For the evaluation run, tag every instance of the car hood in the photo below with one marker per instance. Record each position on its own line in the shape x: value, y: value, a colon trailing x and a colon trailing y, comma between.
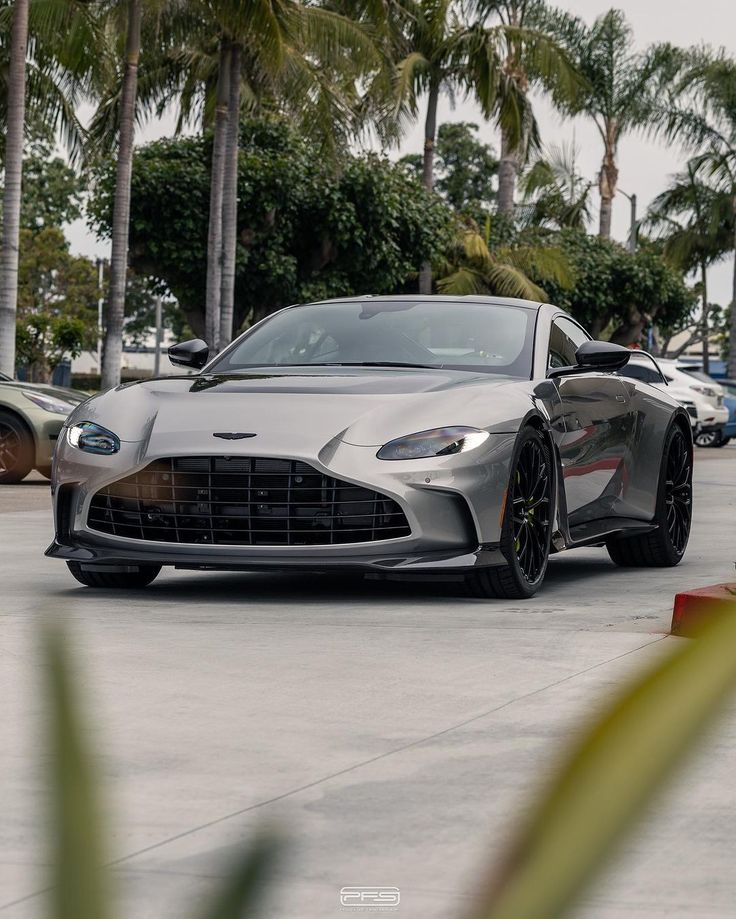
x: 301, y: 411
x: 57, y: 392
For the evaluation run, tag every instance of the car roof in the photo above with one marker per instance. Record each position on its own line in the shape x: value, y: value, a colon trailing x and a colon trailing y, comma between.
x: 420, y: 298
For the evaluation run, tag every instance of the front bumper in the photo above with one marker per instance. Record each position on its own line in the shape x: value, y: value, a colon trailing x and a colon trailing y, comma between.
x: 712, y: 418
x: 100, y: 552
x: 453, y: 505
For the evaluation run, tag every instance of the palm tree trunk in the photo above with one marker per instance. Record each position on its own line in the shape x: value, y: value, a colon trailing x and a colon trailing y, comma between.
x: 705, y: 331
x: 508, y: 168
x: 732, y: 324
x: 230, y: 201
x: 607, y: 182
x: 121, y: 207
x: 430, y: 130
x: 16, y: 96
x: 217, y: 181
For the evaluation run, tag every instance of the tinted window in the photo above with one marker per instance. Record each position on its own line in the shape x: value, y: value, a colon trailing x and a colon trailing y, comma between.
x: 437, y: 333
x: 564, y: 340
x: 640, y: 372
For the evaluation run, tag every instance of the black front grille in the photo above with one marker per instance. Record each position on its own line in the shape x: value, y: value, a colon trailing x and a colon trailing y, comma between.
x: 243, y: 501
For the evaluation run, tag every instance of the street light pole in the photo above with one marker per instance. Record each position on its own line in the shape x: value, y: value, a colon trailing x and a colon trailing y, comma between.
x: 632, y: 221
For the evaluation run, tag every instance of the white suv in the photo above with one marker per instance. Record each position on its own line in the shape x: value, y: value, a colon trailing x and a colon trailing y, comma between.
x: 703, y: 401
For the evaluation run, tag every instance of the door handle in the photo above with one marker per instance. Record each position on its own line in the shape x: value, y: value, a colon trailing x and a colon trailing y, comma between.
x: 620, y: 398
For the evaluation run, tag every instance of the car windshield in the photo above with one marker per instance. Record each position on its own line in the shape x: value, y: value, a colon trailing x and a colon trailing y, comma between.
x: 402, y: 333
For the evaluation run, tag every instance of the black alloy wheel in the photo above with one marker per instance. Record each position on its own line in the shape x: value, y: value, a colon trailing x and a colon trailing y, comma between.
x: 16, y: 449
x: 527, y: 524
x: 530, y: 504
x: 678, y: 491
x: 665, y: 546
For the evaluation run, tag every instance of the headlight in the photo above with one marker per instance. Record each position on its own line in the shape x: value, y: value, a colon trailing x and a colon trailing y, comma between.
x: 49, y: 403
x: 438, y: 442
x: 92, y: 438
x: 706, y: 391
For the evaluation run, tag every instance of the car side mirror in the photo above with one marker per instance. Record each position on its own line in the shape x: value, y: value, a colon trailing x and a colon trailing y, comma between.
x: 192, y: 353
x: 603, y: 356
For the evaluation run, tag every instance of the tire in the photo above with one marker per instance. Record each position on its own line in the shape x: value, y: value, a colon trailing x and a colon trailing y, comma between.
x: 45, y: 471
x: 723, y: 441
x: 527, y: 525
x: 665, y: 546
x: 17, y: 449
x: 709, y: 439
x: 120, y: 580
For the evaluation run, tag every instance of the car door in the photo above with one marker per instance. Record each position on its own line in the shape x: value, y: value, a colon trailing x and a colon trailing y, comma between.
x: 594, y: 432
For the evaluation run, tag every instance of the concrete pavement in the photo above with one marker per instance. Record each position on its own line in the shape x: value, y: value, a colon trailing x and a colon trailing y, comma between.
x: 393, y: 732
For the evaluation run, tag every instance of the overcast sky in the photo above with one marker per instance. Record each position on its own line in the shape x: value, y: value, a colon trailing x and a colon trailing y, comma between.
x: 644, y: 166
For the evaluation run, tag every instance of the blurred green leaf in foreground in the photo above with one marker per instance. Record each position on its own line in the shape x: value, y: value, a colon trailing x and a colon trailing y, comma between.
x: 80, y: 882
x: 598, y: 794
x: 608, y: 779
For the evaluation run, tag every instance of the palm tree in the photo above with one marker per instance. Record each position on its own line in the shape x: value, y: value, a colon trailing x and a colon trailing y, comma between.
x: 554, y: 194
x: 121, y: 206
x: 695, y: 221
x: 439, y: 53
x: 213, y: 286
x: 473, y: 267
x: 47, y: 61
x: 708, y: 124
x: 622, y: 90
x: 280, y: 56
x: 230, y: 200
x: 12, y: 197
x: 532, y: 58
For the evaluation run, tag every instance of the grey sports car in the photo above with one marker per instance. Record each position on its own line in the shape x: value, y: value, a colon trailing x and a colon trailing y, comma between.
x: 468, y: 436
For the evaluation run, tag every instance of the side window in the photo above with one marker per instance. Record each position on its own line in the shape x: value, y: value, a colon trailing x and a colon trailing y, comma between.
x: 640, y: 372
x: 564, y: 340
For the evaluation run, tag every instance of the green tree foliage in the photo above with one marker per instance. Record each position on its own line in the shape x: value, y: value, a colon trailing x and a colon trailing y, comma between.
x: 623, y: 91
x: 52, y: 191
x: 616, y: 293
x: 57, y: 302
x: 695, y: 222
x: 706, y: 121
x: 474, y: 265
x: 465, y: 168
x: 57, y: 291
x: 555, y: 195
x: 533, y: 59
x: 304, y: 231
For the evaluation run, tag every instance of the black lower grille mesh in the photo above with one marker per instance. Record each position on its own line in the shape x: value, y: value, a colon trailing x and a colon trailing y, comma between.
x: 243, y: 501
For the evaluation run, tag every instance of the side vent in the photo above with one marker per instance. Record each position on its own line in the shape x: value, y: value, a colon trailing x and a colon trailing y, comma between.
x: 64, y: 513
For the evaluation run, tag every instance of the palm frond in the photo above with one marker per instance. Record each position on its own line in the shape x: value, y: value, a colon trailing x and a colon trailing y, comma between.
x: 462, y: 282
x: 506, y: 280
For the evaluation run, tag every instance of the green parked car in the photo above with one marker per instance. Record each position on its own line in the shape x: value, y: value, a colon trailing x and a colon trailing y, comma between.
x: 31, y: 417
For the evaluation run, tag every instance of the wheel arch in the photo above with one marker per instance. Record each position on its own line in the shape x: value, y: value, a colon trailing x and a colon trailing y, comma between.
x: 559, y: 517
x: 682, y: 420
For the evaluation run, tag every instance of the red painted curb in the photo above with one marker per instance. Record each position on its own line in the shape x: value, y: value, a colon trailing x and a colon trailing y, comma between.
x: 694, y: 608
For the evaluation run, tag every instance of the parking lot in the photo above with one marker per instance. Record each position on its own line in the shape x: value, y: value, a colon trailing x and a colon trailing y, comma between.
x: 392, y: 732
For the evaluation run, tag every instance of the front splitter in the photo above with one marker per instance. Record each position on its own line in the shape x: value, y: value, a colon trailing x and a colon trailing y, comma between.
x: 90, y: 552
